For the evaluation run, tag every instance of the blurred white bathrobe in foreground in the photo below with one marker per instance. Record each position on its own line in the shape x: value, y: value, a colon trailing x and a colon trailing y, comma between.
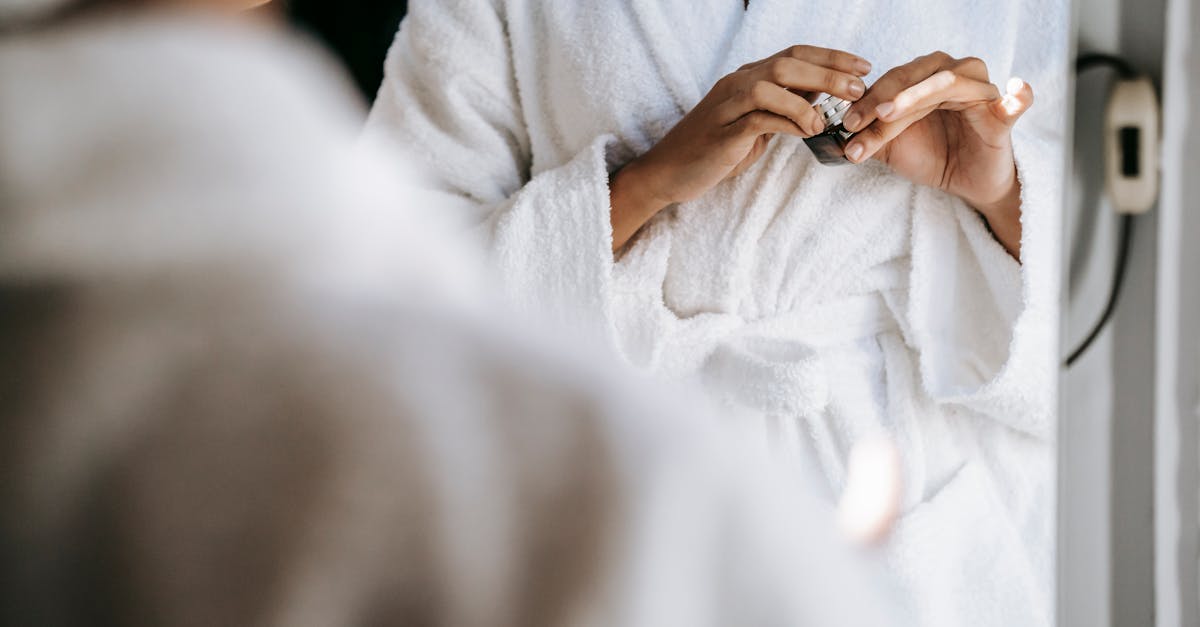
x: 826, y: 304
x: 241, y: 388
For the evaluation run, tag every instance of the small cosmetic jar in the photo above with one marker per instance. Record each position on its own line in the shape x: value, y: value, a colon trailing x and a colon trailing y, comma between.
x: 830, y: 145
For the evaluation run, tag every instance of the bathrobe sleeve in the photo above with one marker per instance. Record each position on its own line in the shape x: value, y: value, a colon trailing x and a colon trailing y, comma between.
x: 451, y: 94
x: 984, y: 325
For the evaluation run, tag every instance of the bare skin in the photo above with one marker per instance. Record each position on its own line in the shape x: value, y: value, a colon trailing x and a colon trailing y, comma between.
x: 936, y: 121
x: 262, y: 11
x: 729, y: 130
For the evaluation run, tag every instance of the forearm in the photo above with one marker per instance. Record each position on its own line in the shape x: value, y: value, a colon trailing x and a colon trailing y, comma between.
x: 633, y: 202
x: 1003, y: 217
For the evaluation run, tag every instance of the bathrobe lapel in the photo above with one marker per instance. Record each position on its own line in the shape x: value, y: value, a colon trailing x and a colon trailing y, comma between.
x: 696, y: 42
x: 693, y: 41
x: 772, y: 25
x: 765, y: 25
x: 667, y: 50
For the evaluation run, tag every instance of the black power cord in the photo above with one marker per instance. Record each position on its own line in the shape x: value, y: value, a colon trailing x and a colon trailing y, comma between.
x: 1125, y: 234
x: 1091, y: 60
x: 1114, y: 292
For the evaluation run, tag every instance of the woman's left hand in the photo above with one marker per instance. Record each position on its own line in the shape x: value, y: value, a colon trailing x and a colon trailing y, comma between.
x: 938, y: 121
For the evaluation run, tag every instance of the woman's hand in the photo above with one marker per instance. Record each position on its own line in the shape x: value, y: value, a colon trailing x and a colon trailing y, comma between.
x: 730, y: 128
x: 938, y: 121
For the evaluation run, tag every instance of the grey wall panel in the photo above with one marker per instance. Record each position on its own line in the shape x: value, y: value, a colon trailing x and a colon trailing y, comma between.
x: 1177, y: 451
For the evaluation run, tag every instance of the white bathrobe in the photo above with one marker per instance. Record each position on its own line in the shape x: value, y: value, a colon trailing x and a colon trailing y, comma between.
x: 825, y: 304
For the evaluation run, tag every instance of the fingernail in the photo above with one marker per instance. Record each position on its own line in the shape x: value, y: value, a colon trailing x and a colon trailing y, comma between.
x: 852, y: 120
x: 862, y: 66
x: 884, y: 109
x: 854, y: 151
x: 856, y: 89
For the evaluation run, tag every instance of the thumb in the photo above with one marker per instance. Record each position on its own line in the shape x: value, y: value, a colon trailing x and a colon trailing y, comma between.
x: 1018, y: 97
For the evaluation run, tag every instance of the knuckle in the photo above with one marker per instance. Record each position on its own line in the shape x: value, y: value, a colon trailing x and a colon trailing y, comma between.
x: 972, y: 63
x: 895, y: 84
x: 831, y: 80
x: 896, y: 77
x: 799, y: 51
x: 811, y: 119
x: 778, y: 70
x: 945, y: 79
x: 755, y: 121
x: 759, y: 93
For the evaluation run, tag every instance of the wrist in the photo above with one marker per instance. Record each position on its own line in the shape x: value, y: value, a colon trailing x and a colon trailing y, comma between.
x: 633, y: 201
x: 1003, y: 206
x: 633, y: 187
x: 1003, y: 217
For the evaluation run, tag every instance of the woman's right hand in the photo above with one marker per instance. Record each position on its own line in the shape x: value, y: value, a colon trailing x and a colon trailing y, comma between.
x: 730, y: 128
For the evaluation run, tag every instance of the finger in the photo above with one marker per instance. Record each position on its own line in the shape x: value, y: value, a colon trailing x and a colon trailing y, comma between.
x: 767, y: 96
x: 826, y: 57
x: 758, y: 123
x: 894, y: 81
x: 810, y: 77
x: 971, y: 67
x: 1016, y: 101
x: 944, y: 87
x: 839, y: 60
x: 869, y: 141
